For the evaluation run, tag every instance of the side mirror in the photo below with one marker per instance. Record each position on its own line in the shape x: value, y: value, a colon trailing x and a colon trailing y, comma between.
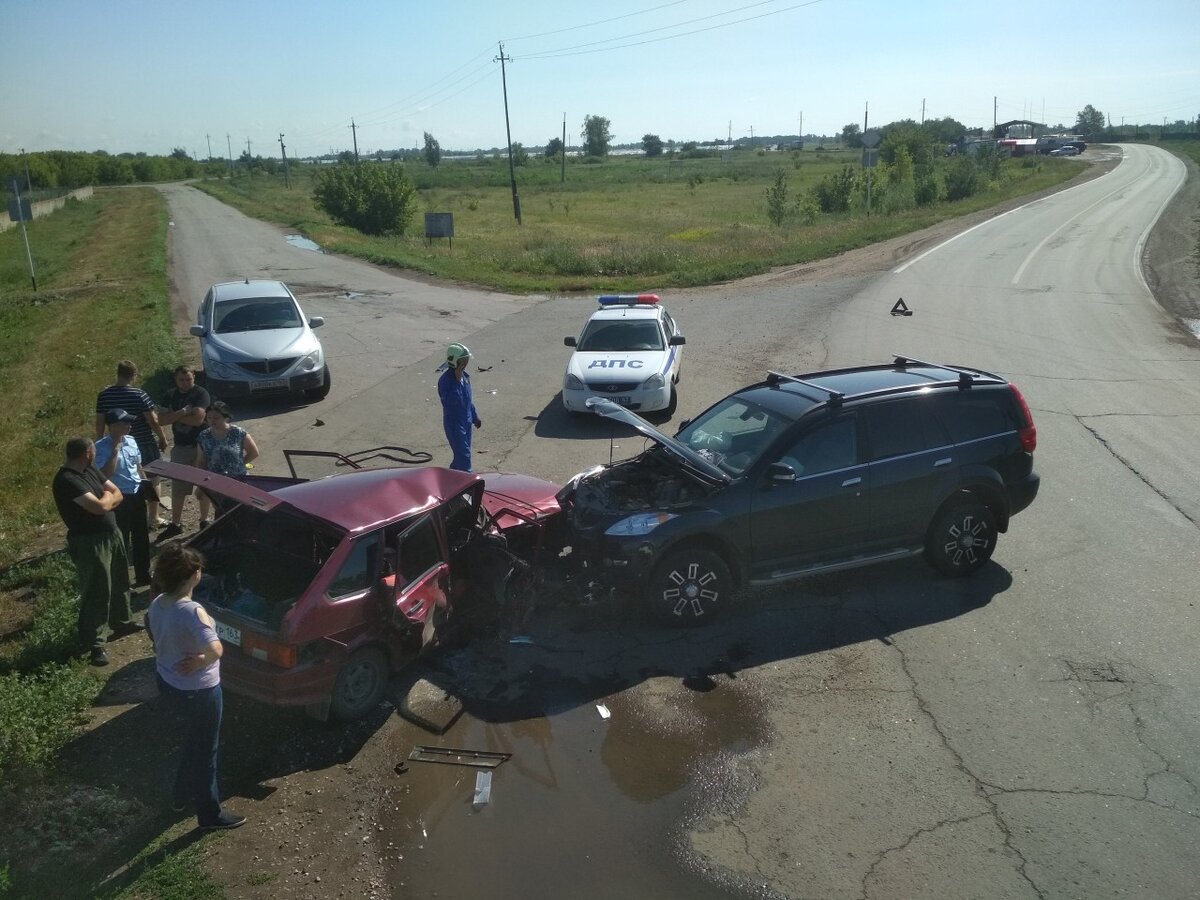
x: 316, y: 321
x: 197, y: 330
x: 569, y: 342
x: 781, y: 472
x: 677, y: 340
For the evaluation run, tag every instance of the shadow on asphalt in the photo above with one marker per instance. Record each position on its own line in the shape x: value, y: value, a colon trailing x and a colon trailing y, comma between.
x: 570, y: 657
x: 555, y: 422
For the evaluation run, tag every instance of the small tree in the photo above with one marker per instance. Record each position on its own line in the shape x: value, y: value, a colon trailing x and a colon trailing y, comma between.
x: 597, y: 135
x: 777, y: 198
x: 373, y: 198
x: 433, y: 151
x: 652, y: 145
x: 519, y: 154
x: 852, y: 136
x: 554, y: 146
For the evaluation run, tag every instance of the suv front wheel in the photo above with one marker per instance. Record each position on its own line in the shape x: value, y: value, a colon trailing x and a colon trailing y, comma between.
x: 689, y: 586
x: 961, y: 538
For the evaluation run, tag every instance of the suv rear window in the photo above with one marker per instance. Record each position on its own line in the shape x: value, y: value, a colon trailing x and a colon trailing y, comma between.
x: 975, y: 414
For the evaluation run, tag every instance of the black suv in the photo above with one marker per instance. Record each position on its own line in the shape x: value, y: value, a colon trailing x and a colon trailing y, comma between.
x: 800, y: 474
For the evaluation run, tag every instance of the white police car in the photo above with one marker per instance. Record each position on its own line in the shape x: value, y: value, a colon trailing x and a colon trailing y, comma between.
x: 629, y: 352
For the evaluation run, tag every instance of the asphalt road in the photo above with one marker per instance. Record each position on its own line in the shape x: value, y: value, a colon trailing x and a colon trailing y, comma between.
x: 1029, y: 732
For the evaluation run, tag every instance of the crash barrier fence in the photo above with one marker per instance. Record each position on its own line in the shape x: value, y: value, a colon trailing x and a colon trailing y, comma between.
x: 42, y: 208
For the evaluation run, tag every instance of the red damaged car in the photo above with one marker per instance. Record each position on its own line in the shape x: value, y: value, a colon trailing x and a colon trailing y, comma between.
x: 322, y: 588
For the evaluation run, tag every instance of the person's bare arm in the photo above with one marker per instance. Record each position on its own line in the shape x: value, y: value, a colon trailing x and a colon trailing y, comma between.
x: 160, y: 436
x: 249, y: 449
x: 106, y: 502
x: 99, y: 426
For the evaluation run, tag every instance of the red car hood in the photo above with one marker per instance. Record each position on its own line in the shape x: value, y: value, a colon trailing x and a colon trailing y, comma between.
x: 512, y: 499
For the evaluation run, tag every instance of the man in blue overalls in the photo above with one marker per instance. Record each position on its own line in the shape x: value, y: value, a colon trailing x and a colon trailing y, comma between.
x: 458, y: 411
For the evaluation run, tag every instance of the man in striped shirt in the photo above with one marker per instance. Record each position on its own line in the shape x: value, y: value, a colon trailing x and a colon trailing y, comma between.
x: 149, y: 434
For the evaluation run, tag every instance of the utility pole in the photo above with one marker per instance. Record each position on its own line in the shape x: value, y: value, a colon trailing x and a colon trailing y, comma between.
x: 729, y: 133
x: 229, y: 147
x: 922, y: 110
x: 866, y: 109
x: 512, y: 173
x: 563, y: 176
x: 994, y: 108
x: 287, y: 182
x: 209, y: 139
x: 354, y: 132
x: 248, y: 156
x: 801, y: 135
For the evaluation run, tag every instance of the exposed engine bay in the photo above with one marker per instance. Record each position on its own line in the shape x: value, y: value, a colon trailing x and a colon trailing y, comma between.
x: 647, y: 482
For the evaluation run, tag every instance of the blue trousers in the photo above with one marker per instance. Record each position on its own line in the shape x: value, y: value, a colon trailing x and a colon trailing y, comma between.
x: 196, y: 780
x: 459, y: 437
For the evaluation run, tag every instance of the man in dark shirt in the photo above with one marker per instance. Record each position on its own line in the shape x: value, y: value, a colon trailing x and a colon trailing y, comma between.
x: 183, y: 409
x: 146, y: 429
x: 86, y: 501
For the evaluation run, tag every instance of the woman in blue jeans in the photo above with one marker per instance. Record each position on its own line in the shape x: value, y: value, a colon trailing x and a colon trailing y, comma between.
x: 187, y: 657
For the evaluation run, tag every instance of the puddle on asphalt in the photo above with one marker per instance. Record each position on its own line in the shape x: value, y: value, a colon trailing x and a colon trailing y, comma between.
x: 585, y: 808
x: 299, y: 240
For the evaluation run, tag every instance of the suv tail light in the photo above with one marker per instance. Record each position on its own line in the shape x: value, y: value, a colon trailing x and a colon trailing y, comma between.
x: 1028, y: 432
x: 282, y: 655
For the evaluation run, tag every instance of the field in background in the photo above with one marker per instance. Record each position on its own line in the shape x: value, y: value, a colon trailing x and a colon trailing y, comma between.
x: 626, y: 223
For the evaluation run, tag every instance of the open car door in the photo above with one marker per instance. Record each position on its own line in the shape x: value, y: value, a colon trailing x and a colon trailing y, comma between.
x: 419, y: 581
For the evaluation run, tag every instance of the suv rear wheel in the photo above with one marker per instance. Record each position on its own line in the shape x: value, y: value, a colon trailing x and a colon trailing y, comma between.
x: 689, y: 585
x: 961, y: 538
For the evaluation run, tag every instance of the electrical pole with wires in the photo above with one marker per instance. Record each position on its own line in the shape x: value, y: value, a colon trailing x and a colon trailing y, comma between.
x: 354, y: 131
x: 287, y: 182
x: 512, y: 173
x: 563, y: 176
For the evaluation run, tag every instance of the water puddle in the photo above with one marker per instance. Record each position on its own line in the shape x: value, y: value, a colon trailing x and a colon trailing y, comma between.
x: 587, y: 806
x: 299, y: 240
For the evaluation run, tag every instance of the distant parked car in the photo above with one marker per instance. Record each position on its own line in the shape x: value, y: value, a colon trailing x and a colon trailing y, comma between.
x: 255, y: 340
x: 1066, y: 150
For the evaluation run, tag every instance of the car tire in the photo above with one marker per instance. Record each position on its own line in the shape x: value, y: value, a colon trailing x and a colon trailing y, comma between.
x: 672, y: 404
x: 320, y: 393
x: 689, y: 586
x: 360, y: 684
x: 962, y: 538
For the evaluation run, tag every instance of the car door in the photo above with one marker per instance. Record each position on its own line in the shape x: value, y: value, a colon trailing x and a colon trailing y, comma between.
x: 819, y: 515
x: 912, y: 467
x: 421, y: 580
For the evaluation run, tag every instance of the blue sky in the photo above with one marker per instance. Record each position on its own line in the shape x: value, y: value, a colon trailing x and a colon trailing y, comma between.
x: 140, y: 76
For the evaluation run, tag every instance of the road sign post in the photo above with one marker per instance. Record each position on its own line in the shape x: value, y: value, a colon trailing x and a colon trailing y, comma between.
x: 870, y: 140
x: 19, y: 210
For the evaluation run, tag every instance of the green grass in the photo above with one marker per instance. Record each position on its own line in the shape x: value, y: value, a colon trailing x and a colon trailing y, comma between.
x: 102, y: 280
x: 622, y: 224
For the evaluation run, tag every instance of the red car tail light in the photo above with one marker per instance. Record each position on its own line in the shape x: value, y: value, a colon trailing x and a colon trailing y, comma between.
x: 1027, y: 434
x: 282, y: 655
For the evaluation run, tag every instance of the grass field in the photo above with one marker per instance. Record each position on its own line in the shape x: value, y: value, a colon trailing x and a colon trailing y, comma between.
x: 622, y: 224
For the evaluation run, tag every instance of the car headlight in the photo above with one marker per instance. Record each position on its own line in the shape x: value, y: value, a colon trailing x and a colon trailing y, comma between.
x: 654, y: 383
x: 642, y: 523
x: 571, y: 383
x: 214, y: 368
x: 311, y: 362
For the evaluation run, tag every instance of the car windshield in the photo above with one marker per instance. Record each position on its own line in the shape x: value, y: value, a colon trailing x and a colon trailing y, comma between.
x: 621, y: 334
x: 255, y: 314
x: 733, y: 434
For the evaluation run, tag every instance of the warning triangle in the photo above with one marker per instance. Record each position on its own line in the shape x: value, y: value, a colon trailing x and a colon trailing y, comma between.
x: 901, y: 308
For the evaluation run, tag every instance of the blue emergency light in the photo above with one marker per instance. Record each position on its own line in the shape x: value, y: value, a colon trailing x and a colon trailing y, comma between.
x: 627, y: 299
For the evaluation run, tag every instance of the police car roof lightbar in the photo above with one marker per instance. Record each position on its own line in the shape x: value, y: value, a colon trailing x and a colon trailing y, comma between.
x: 627, y: 299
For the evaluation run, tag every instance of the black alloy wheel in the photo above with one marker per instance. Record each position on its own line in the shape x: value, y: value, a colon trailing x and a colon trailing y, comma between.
x: 962, y: 538
x: 689, y: 586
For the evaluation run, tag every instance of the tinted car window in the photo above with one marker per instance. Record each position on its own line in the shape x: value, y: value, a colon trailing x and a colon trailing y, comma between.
x: 975, y: 414
x: 732, y: 434
x: 903, y: 426
x: 419, y: 550
x: 826, y: 448
x: 358, y: 571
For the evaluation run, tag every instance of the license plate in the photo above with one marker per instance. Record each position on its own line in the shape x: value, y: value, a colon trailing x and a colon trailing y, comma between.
x: 621, y: 401
x: 228, y: 633
x: 273, y: 384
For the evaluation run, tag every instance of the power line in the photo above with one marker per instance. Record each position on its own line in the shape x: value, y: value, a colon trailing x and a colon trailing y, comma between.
x: 590, y: 24
x: 580, y: 49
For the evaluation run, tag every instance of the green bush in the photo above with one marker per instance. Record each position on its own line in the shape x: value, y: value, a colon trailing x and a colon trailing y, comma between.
x: 777, y: 198
x: 963, y: 180
x: 374, y: 198
x: 833, y: 192
x: 41, y: 713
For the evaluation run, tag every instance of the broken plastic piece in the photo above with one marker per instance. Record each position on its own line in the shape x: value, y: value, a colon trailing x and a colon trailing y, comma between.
x: 520, y: 639
x: 483, y: 789
x: 603, y: 710
x: 479, y: 759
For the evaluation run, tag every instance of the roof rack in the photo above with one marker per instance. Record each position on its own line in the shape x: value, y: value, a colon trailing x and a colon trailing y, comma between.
x: 965, y: 376
x: 835, y: 397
